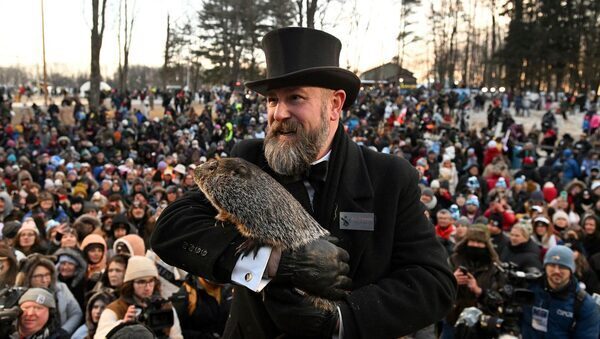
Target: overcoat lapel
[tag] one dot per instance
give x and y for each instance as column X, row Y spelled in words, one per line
column 355, row 194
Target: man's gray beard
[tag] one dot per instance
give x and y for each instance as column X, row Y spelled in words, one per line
column 293, row 157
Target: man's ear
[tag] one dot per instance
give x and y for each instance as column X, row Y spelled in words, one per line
column 337, row 103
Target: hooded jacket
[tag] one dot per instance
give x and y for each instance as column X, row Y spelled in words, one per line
column 8, row 206
column 99, row 266
column 76, row 283
column 88, row 329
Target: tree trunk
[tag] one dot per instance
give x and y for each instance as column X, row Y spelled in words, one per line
column 96, row 46
column 311, row 9
column 166, row 54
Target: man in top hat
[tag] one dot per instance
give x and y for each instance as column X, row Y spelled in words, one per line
column 400, row 280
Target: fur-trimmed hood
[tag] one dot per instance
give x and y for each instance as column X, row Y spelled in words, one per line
column 78, row 257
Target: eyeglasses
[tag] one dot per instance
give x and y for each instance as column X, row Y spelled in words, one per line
column 144, row 282
column 41, row 276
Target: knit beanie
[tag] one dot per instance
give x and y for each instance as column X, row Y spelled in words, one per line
column 559, row 215
column 140, row 267
column 28, row 225
column 40, row 296
column 560, row 255
column 10, row 229
column 473, row 200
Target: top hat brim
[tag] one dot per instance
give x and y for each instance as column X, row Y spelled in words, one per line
column 326, row 77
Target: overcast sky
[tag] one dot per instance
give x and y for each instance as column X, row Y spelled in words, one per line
column 68, row 23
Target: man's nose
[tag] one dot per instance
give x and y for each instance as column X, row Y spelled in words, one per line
column 281, row 111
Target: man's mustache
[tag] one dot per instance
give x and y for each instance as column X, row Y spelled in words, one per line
column 284, row 127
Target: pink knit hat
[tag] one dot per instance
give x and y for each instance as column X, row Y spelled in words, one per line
column 28, row 225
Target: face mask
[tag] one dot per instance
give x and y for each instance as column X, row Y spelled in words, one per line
column 477, row 253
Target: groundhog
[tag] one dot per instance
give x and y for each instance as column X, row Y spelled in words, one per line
column 259, row 206
column 263, row 211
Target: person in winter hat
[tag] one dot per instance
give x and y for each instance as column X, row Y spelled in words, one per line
column 95, row 306
column 474, row 263
column 141, row 283
column 555, row 296
column 71, row 268
column 39, row 271
column 28, row 239
column 38, row 318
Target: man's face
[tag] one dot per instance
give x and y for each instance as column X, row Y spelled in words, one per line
column 444, row 220
column 33, row 318
column 558, row 276
column 300, row 120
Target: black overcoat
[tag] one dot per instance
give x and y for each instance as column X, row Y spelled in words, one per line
column 400, row 273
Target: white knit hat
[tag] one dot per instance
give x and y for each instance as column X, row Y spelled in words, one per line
column 560, row 215
column 140, row 267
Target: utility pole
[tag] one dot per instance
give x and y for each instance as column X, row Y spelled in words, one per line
column 44, row 57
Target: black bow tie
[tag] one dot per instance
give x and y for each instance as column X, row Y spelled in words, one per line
column 317, row 173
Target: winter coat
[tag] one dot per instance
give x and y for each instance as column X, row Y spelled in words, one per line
column 76, row 283
column 525, row 255
column 559, row 307
column 68, row 308
column 488, row 278
column 89, row 327
column 8, row 207
column 109, row 319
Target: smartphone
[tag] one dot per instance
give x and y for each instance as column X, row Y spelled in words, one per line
column 463, row 270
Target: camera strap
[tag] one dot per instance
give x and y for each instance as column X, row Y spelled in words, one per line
column 579, row 298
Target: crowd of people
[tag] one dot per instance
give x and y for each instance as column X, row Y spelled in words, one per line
column 79, row 202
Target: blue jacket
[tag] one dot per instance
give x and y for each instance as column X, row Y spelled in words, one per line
column 559, row 306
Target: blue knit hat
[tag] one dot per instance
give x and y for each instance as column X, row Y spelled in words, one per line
column 560, row 255
column 473, row 200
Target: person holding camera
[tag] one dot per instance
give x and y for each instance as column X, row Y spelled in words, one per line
column 561, row 309
column 141, row 285
column 38, row 318
column 475, row 269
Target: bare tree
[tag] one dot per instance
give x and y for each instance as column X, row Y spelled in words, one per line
column 98, row 25
column 167, row 53
column 127, row 33
column 311, row 9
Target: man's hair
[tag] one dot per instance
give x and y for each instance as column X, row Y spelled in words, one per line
column 443, row 212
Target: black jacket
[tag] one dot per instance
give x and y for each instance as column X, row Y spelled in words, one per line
column 525, row 255
column 401, row 279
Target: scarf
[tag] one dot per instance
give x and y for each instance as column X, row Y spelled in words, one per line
column 444, row 232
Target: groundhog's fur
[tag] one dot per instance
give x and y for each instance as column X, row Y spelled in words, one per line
column 263, row 211
column 259, row 206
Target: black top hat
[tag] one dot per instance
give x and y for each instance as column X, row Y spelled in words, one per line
column 298, row 56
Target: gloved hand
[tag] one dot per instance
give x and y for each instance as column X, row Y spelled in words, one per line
column 318, row 268
column 296, row 316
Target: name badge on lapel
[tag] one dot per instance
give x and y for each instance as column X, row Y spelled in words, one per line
column 357, row 221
